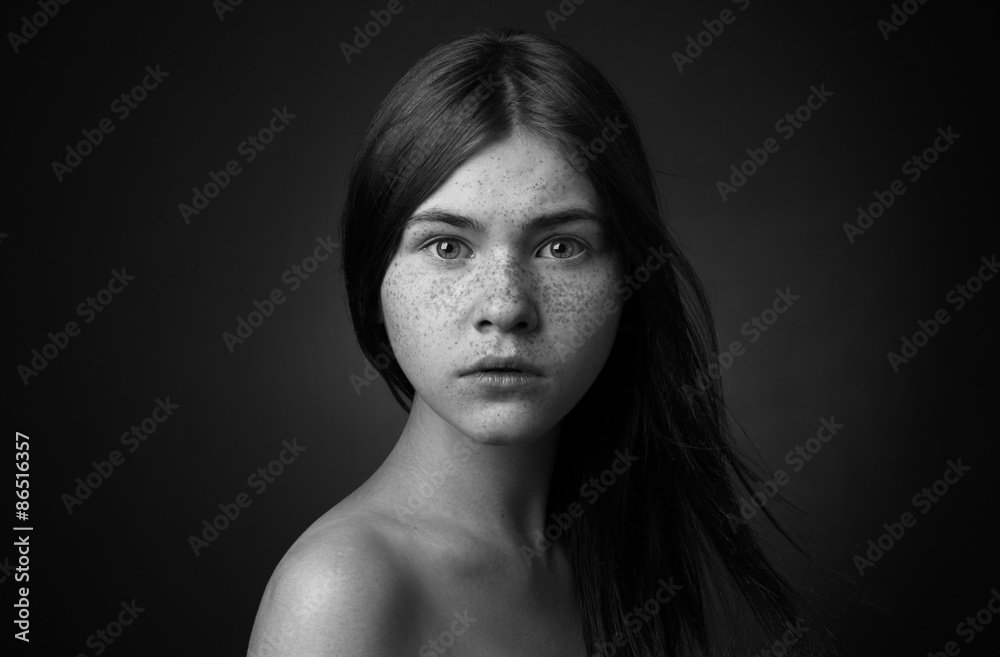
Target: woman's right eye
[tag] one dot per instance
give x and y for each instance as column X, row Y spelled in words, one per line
column 445, row 248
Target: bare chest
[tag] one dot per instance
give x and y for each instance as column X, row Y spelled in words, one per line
column 497, row 618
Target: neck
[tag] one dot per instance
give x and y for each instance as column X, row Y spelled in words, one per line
column 496, row 492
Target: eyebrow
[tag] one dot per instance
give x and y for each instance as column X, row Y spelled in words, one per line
column 546, row 220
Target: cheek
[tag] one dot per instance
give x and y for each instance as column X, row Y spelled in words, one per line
column 398, row 298
column 414, row 309
column 587, row 301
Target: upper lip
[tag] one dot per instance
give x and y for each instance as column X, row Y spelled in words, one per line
column 514, row 363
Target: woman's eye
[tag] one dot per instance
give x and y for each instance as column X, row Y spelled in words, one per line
column 446, row 248
column 563, row 248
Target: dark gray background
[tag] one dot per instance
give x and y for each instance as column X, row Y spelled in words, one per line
column 162, row 336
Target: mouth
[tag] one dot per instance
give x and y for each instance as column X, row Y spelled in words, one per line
column 508, row 366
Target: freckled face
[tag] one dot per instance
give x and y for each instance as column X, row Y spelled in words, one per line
column 504, row 286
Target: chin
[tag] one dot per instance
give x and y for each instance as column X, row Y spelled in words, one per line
column 507, row 427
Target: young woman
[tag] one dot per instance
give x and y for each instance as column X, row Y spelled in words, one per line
column 565, row 484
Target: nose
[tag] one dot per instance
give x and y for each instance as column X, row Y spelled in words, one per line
column 506, row 302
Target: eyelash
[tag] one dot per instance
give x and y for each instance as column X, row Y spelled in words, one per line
column 582, row 246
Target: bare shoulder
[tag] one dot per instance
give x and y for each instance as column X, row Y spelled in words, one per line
column 342, row 589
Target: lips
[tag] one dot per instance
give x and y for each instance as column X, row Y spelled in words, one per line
column 498, row 364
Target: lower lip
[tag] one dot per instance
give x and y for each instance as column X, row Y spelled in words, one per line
column 504, row 379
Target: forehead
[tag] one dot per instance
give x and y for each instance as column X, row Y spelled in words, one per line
column 517, row 178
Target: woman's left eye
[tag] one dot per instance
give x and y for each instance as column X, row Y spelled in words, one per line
column 564, row 248
column 446, row 248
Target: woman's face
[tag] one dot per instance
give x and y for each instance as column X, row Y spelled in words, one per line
column 509, row 257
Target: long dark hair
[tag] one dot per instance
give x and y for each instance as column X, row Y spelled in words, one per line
column 672, row 518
